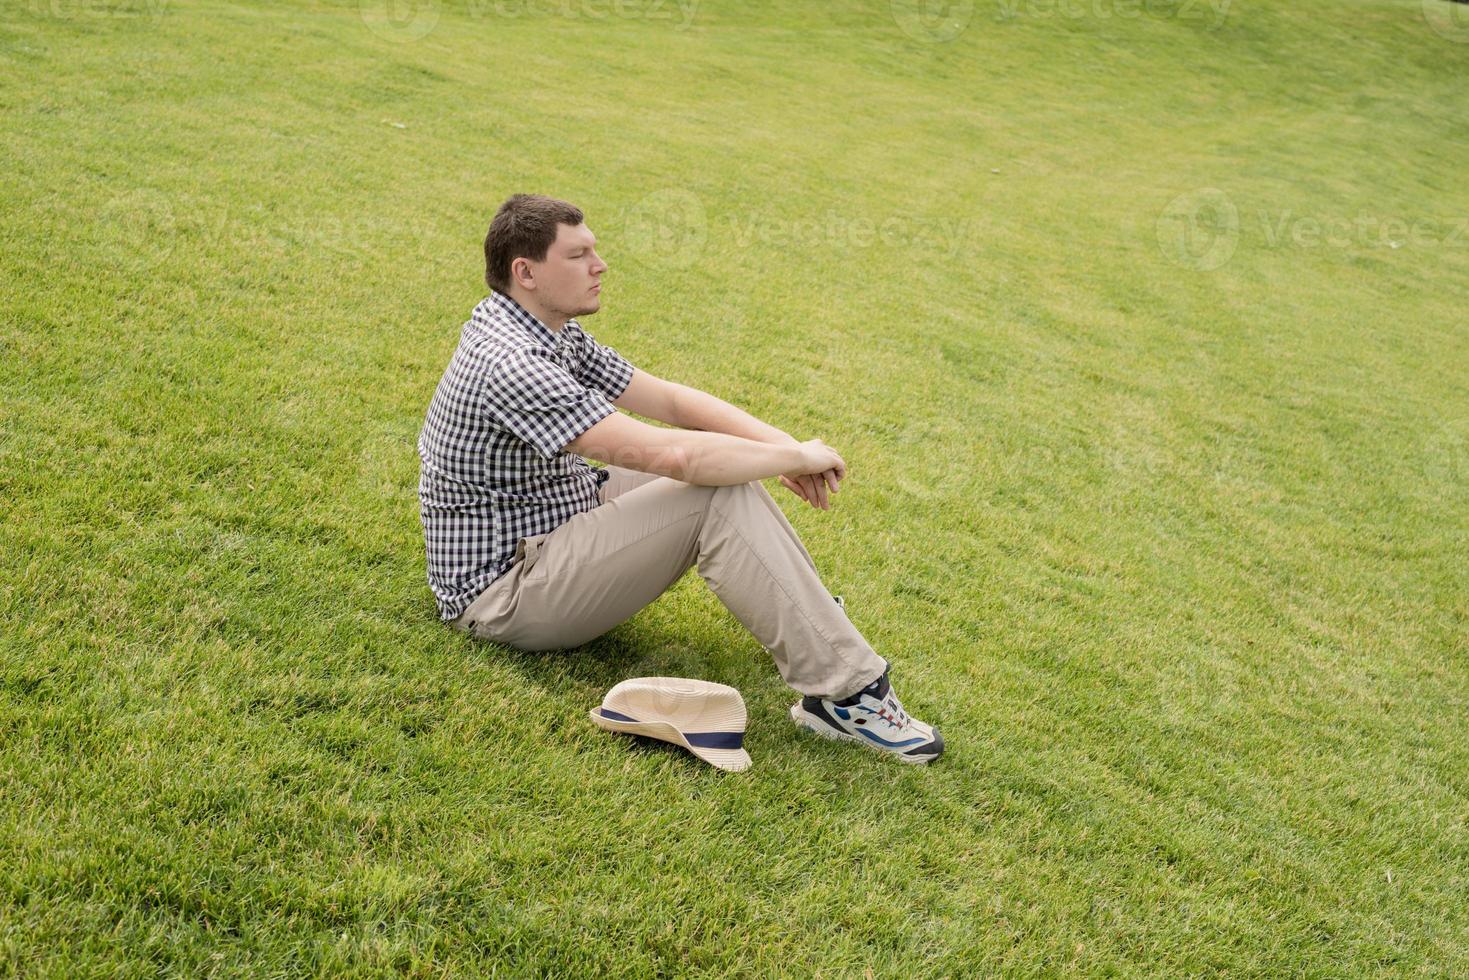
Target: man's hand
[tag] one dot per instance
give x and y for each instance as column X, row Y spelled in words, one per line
column 690, row 408
column 826, row 472
column 815, row 489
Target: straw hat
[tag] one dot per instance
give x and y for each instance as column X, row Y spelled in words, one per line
column 706, row 718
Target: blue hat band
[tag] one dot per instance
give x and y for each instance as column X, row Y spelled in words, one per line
column 703, row 740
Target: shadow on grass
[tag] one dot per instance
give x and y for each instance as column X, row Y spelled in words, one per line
column 642, row 647
column 582, row 675
column 630, row 649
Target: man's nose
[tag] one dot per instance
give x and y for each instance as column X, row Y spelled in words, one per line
column 599, row 266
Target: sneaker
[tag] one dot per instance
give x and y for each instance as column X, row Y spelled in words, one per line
column 874, row 717
column 841, row 602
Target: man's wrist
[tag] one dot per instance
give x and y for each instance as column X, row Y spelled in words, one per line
column 791, row 452
column 786, row 439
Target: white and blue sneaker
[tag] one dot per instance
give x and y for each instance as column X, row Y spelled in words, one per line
column 873, row 717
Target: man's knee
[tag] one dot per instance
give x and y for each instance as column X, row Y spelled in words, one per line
column 732, row 495
column 699, row 492
column 736, row 489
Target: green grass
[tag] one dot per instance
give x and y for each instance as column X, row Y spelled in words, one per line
column 1170, row 541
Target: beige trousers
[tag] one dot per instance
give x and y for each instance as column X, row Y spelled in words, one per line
column 599, row 568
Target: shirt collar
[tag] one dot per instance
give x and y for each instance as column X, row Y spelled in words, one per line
column 529, row 321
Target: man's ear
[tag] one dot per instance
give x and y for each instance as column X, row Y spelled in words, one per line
column 521, row 274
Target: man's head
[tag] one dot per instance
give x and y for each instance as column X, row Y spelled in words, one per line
column 541, row 254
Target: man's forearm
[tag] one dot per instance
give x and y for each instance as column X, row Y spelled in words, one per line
column 715, row 459
column 695, row 409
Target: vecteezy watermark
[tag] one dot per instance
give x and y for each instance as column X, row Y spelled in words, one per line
column 668, row 227
column 678, row 14
column 689, row 464
column 1448, row 19
column 151, row 9
column 1286, row 228
column 671, row 227
column 412, row 20
column 138, row 229
column 1194, row 688
column 932, row 21
column 1211, row 12
column 387, row 465
column 400, row 20
column 669, row 461
column 948, row 234
column 1448, row 457
column 357, row 234
column 1199, row 229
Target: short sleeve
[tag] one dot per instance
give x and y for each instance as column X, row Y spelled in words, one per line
column 538, row 400
column 603, row 368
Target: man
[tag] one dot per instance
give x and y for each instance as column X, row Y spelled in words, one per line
column 530, row 546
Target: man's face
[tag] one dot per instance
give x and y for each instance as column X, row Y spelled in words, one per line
column 569, row 281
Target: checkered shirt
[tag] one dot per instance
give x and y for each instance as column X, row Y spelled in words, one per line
column 493, row 471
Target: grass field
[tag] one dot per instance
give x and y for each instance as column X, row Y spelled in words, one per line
column 1140, row 325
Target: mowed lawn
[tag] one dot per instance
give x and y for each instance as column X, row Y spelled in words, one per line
column 1141, row 326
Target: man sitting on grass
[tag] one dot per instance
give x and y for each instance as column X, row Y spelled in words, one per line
column 530, row 546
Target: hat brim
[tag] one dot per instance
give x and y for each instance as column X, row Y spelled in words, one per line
column 730, row 760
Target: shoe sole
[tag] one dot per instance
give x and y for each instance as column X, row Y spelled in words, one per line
column 817, row 726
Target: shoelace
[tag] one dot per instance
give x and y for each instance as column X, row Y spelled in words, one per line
column 891, row 711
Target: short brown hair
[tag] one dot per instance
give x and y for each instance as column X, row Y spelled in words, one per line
column 524, row 227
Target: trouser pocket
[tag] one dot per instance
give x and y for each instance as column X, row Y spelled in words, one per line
column 528, row 551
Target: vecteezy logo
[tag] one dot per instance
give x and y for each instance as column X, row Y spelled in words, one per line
column 388, row 463
column 932, row 21
column 1448, row 457
column 668, row 227
column 1448, row 19
column 400, row 20
column 1200, row 229
column 139, row 229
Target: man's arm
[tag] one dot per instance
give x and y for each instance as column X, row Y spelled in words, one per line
column 704, row 458
column 689, row 408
